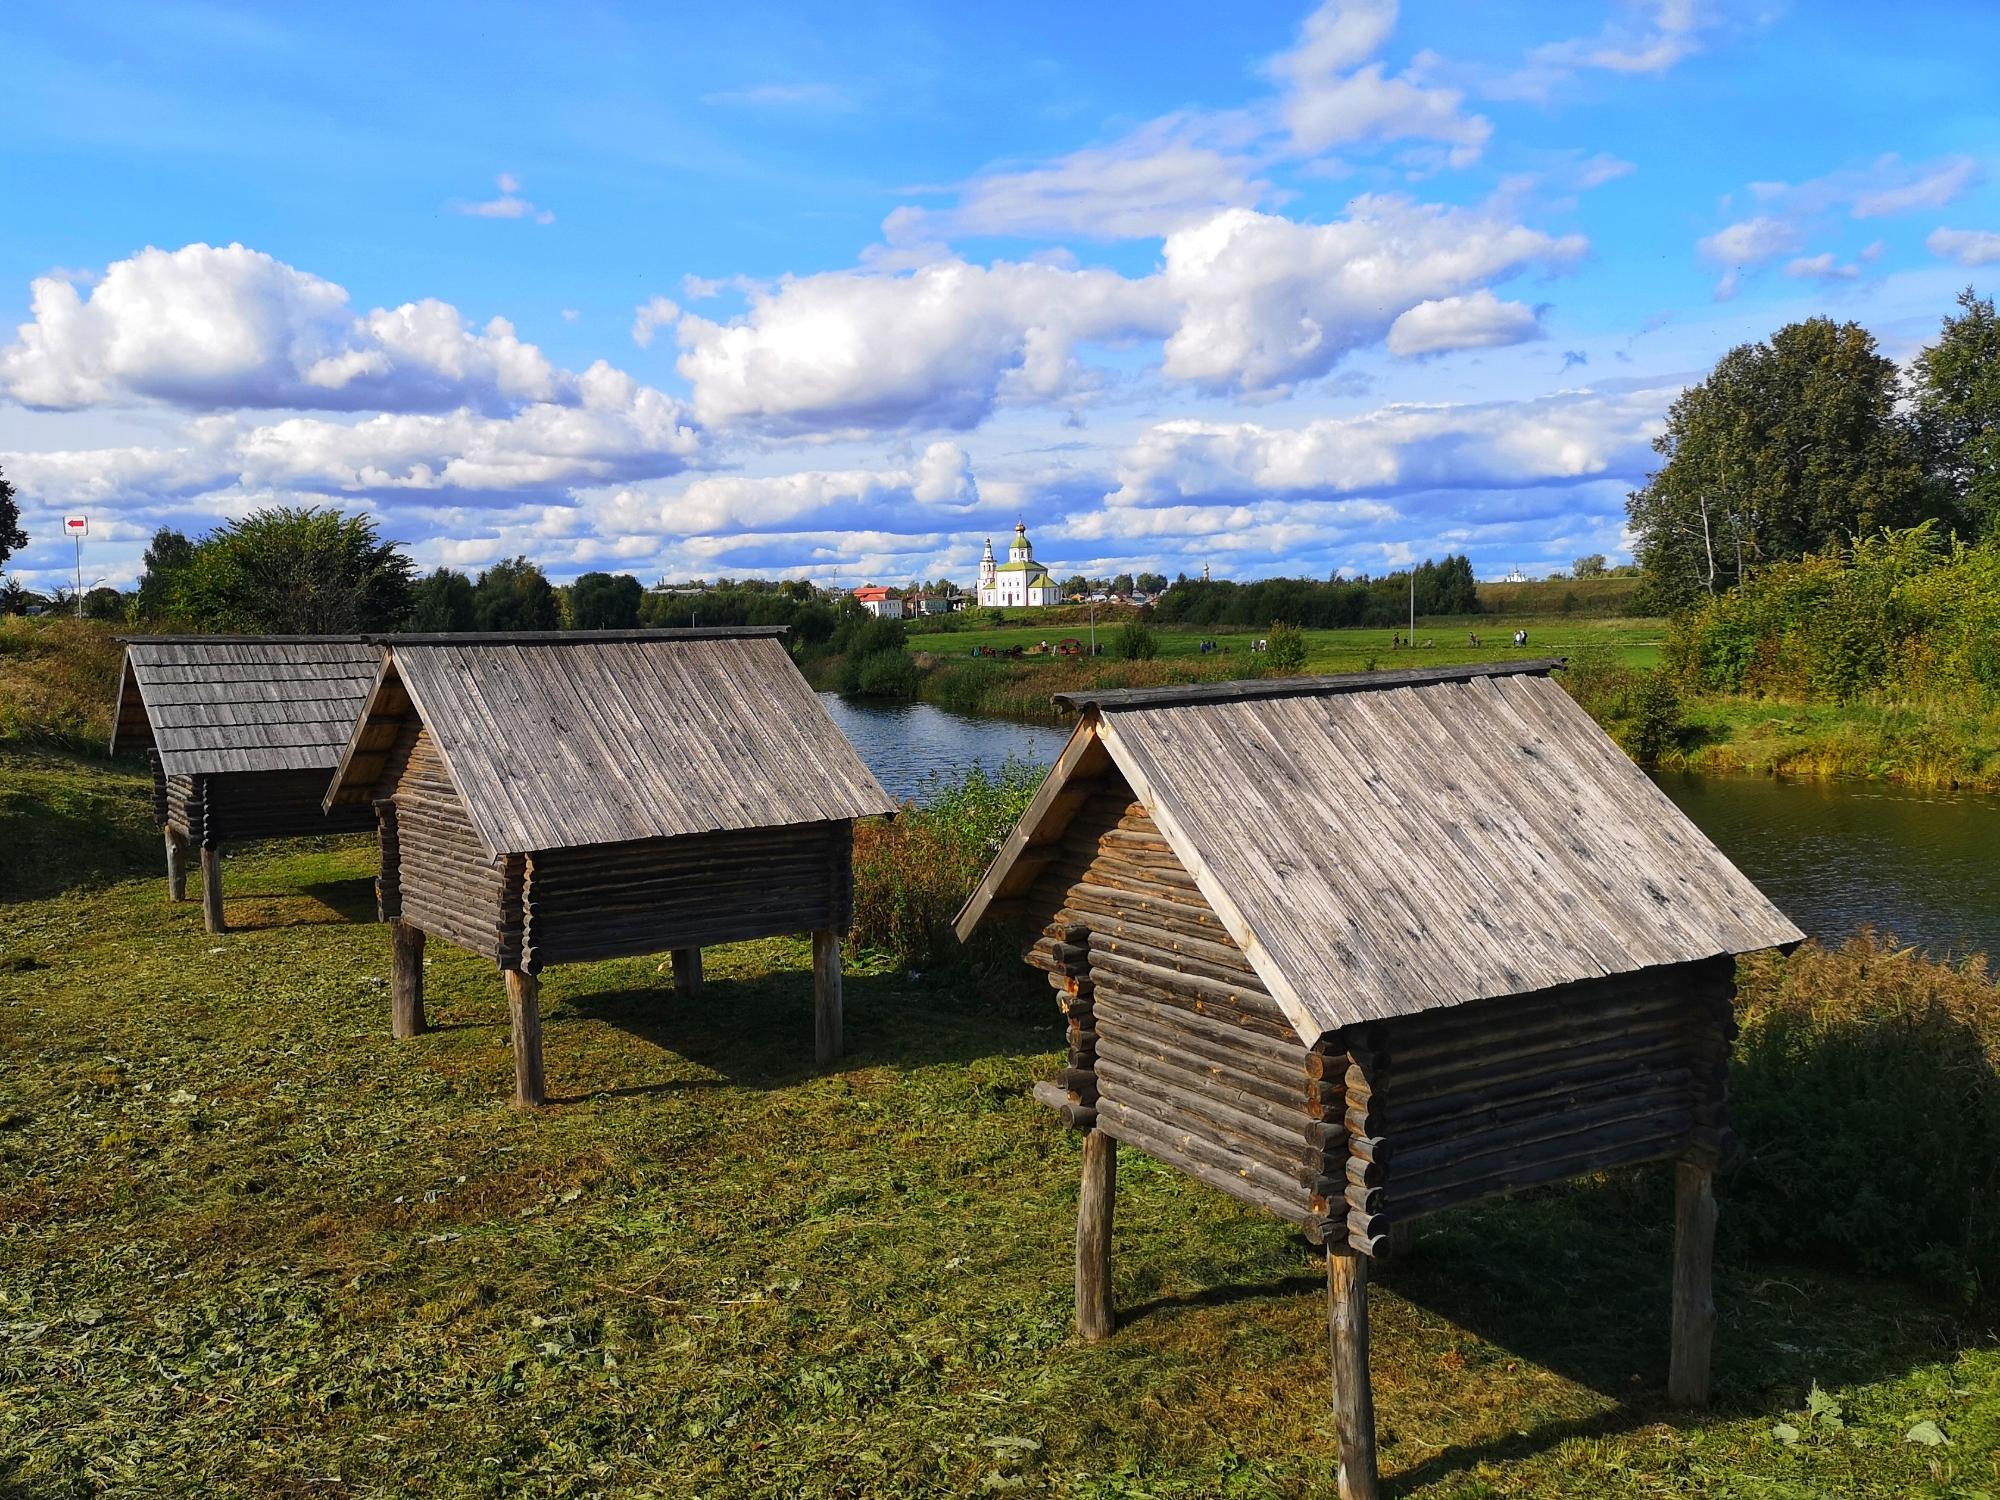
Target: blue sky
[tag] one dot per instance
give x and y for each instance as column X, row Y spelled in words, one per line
column 838, row 291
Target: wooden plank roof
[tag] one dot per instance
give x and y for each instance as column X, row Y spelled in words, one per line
column 212, row 704
column 1386, row 844
column 558, row 741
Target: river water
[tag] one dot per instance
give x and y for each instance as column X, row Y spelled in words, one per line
column 1834, row 856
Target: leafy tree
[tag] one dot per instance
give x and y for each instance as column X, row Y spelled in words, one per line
column 12, row 537
column 104, row 604
column 1787, row 446
column 514, row 595
column 1592, row 566
column 1955, row 405
column 1122, row 584
column 1151, row 583
column 168, row 557
column 605, row 601
column 1285, row 649
column 291, row 570
column 1075, row 586
column 442, row 602
column 1134, row 642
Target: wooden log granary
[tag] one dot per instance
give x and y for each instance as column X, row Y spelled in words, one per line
column 1360, row 949
column 547, row 798
column 241, row 733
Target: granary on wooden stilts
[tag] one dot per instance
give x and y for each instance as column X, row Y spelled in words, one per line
column 560, row 798
column 1359, row 949
column 242, row 732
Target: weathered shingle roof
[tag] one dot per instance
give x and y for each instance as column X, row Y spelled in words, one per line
column 1386, row 844
column 214, row 704
column 563, row 740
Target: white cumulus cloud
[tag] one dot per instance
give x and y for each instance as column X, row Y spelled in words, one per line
column 1477, row 321
column 1969, row 247
column 212, row 327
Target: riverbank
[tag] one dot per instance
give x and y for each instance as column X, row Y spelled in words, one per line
column 250, row 1246
column 1926, row 745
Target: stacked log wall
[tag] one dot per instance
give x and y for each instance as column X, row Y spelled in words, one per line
column 443, row 881
column 614, row 900
column 242, row 806
column 1175, row 1045
column 187, row 807
column 159, row 771
column 1452, row 1106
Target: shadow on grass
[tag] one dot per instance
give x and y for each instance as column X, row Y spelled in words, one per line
column 354, row 899
column 1577, row 1280
column 326, row 903
column 758, row 1033
column 1224, row 1295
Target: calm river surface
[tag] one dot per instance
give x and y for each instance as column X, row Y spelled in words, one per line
column 1835, row 856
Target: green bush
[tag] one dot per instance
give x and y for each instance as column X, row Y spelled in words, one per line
column 889, row 673
column 1866, row 1093
column 1656, row 722
column 1285, row 649
column 912, row 874
column 1899, row 613
column 1134, row 642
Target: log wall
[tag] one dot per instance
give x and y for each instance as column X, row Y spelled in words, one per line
column 1176, row 1048
column 1456, row 1105
column 612, row 900
column 239, row 806
column 436, row 873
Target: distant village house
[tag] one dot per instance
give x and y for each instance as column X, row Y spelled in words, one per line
column 884, row 603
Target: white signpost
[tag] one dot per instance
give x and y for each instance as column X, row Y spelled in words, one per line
column 77, row 526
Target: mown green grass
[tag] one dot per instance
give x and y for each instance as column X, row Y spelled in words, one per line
column 250, row 1246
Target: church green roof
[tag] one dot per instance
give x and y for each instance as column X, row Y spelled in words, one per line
column 1021, row 567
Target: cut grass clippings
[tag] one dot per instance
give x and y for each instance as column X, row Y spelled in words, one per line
column 251, row 1246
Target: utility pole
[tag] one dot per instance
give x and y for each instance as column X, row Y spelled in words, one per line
column 1413, row 604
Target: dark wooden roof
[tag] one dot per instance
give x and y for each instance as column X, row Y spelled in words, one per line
column 1386, row 845
column 213, row 704
column 563, row 740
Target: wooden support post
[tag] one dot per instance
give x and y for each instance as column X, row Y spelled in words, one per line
column 1353, row 1397
column 687, row 972
column 1095, row 1315
column 211, row 888
column 826, row 996
column 177, row 866
column 1694, row 1287
column 524, row 1001
column 406, row 982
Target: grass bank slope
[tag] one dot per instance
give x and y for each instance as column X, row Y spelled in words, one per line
column 248, row 1246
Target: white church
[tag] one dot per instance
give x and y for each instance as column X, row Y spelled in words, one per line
column 1020, row 580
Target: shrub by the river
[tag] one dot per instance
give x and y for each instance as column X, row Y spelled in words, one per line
column 1866, row 1093
column 912, row 873
column 1656, row 718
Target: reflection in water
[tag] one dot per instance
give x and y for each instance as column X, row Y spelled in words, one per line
column 1837, row 855
column 1834, row 856
column 907, row 744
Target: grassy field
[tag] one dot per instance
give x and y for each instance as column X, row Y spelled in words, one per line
column 248, row 1246
column 1635, row 642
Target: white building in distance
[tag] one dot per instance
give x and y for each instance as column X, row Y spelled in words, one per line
column 1018, row 582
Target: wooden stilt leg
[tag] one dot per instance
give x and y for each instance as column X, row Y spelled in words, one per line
column 1095, row 1315
column 1694, row 1286
column 826, row 996
column 406, row 983
column 687, row 972
column 524, row 1000
column 1353, row 1397
column 177, row 866
column 211, row 888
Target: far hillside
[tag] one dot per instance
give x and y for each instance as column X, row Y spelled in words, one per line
column 1564, row 596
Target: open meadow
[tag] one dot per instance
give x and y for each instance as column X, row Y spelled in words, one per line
column 250, row 1246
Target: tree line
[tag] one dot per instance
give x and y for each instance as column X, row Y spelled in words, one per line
column 1442, row 588
column 1812, row 438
